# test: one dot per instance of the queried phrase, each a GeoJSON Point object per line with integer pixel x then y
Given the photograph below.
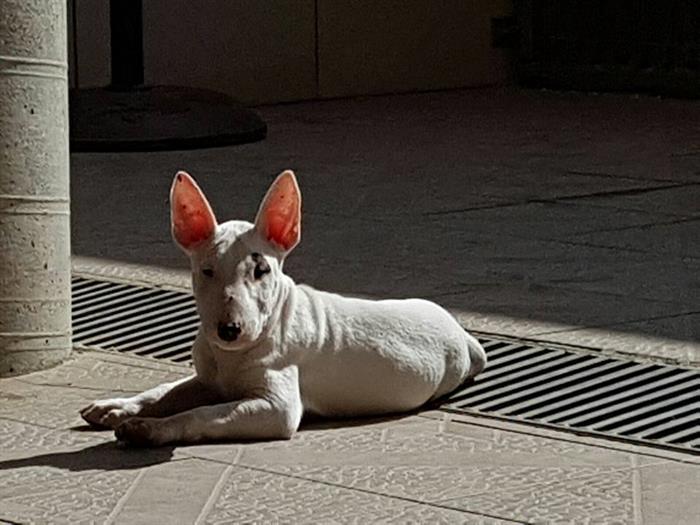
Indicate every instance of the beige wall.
{"type": "Point", "coordinates": [280, 50]}
{"type": "Point", "coordinates": [370, 46]}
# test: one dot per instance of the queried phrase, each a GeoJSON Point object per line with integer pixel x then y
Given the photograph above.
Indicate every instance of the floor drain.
{"type": "Point", "coordinates": [641, 402]}
{"type": "Point", "coordinates": [134, 319]}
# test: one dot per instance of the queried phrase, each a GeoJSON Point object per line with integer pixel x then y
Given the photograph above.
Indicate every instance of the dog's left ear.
{"type": "Point", "coordinates": [279, 217]}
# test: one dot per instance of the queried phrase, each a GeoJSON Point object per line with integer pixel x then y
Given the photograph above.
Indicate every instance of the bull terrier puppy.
{"type": "Point", "coordinates": [269, 350]}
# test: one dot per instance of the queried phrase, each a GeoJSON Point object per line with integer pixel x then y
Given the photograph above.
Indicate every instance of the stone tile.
{"type": "Point", "coordinates": [52, 407]}
{"type": "Point", "coordinates": [607, 497]}
{"type": "Point", "coordinates": [670, 493]}
{"type": "Point", "coordinates": [17, 437]}
{"type": "Point", "coordinates": [87, 498]}
{"type": "Point", "coordinates": [257, 496]}
{"type": "Point", "coordinates": [173, 491]}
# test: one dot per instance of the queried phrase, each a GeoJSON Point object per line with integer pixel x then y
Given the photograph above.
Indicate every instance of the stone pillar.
{"type": "Point", "coordinates": [34, 196]}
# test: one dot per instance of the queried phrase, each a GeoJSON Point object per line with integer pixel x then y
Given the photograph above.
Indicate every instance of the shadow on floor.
{"type": "Point", "coordinates": [104, 456]}
{"type": "Point", "coordinates": [569, 209]}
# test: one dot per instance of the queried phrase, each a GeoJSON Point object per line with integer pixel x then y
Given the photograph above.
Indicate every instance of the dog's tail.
{"type": "Point", "coordinates": [477, 357]}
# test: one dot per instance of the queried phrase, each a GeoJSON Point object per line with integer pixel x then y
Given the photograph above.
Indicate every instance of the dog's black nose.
{"type": "Point", "coordinates": [228, 331]}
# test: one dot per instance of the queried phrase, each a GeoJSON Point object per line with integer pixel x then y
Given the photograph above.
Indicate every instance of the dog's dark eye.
{"type": "Point", "coordinates": [208, 272]}
{"type": "Point", "coordinates": [261, 266]}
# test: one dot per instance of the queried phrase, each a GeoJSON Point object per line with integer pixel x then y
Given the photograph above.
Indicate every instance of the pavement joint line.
{"type": "Point", "coordinates": [356, 489]}
{"type": "Point", "coordinates": [617, 177]}
{"type": "Point", "coordinates": [670, 222]}
{"type": "Point", "coordinates": [655, 213]}
{"type": "Point", "coordinates": [622, 192]}
{"type": "Point", "coordinates": [31, 423]}
{"type": "Point", "coordinates": [601, 246]}
{"type": "Point", "coordinates": [77, 387]}
{"type": "Point", "coordinates": [636, 491]}
{"type": "Point", "coordinates": [452, 211]}
{"type": "Point", "coordinates": [218, 487]}
{"type": "Point", "coordinates": [593, 204]}
{"type": "Point", "coordinates": [557, 199]}
{"type": "Point", "coordinates": [606, 247]}
{"type": "Point", "coordinates": [442, 423]}
{"type": "Point", "coordinates": [125, 497]}
{"type": "Point", "coordinates": [4, 521]}
{"type": "Point", "coordinates": [550, 484]}
{"type": "Point", "coordinates": [90, 438]}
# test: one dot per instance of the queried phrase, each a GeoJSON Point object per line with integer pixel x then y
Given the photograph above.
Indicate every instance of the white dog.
{"type": "Point", "coordinates": [269, 350]}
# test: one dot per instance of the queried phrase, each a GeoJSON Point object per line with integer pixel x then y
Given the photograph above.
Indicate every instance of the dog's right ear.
{"type": "Point", "coordinates": [192, 220]}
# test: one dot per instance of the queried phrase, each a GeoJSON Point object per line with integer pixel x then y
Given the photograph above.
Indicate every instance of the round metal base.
{"type": "Point", "coordinates": [159, 118]}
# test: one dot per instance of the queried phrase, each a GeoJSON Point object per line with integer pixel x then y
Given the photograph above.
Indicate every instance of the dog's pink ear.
{"type": "Point", "coordinates": [279, 216]}
{"type": "Point", "coordinates": [191, 217]}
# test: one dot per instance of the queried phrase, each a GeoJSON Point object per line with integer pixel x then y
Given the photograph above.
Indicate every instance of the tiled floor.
{"type": "Point", "coordinates": [428, 468]}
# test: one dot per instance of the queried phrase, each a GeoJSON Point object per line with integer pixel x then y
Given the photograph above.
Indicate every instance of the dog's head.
{"type": "Point", "coordinates": [236, 265]}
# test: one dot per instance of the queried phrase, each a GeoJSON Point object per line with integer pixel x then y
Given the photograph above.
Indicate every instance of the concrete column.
{"type": "Point", "coordinates": [34, 196]}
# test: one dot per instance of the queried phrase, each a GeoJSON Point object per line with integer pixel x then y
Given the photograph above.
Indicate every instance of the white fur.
{"type": "Point", "coordinates": [299, 350]}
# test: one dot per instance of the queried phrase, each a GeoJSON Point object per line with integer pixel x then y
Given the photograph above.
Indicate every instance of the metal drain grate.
{"type": "Point", "coordinates": [646, 403]}
{"type": "Point", "coordinates": [134, 319]}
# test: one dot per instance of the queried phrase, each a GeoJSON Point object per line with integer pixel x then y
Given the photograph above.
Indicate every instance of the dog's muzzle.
{"type": "Point", "coordinates": [228, 331]}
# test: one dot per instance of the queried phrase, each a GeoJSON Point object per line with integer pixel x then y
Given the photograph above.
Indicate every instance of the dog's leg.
{"type": "Point", "coordinates": [274, 415]}
{"type": "Point", "coordinates": [163, 400]}
{"type": "Point", "coordinates": [248, 419]}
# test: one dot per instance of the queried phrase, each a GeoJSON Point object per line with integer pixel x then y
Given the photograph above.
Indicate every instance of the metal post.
{"type": "Point", "coordinates": [34, 196]}
{"type": "Point", "coordinates": [126, 30]}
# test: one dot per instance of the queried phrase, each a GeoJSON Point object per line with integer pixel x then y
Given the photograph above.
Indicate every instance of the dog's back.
{"type": "Point", "coordinates": [359, 357]}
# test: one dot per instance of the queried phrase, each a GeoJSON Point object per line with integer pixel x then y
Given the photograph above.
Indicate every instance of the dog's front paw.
{"type": "Point", "coordinates": [139, 431]}
{"type": "Point", "coordinates": [108, 413]}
